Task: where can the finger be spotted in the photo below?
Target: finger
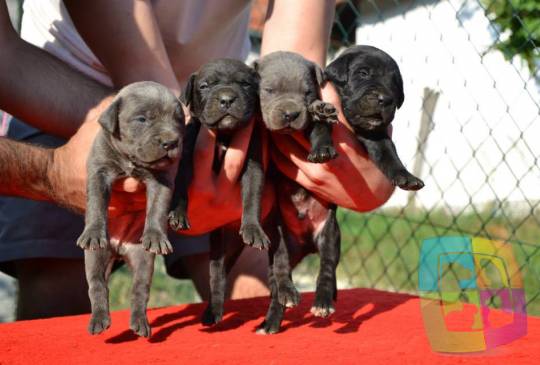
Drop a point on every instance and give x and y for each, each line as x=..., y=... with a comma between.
x=129, y=185
x=235, y=157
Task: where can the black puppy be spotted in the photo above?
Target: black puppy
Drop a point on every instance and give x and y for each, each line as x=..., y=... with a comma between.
x=289, y=101
x=141, y=137
x=370, y=86
x=222, y=95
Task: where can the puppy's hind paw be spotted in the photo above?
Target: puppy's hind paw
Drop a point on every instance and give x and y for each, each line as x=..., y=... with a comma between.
x=178, y=222
x=253, y=235
x=139, y=325
x=99, y=322
x=288, y=296
x=322, y=154
x=211, y=317
x=92, y=238
x=268, y=328
x=323, y=112
x=156, y=242
x=323, y=306
x=407, y=181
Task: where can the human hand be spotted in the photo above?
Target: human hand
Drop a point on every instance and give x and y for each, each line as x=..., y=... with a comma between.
x=351, y=180
x=215, y=199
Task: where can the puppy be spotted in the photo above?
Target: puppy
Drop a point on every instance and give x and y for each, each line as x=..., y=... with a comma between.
x=370, y=86
x=289, y=93
x=289, y=101
x=222, y=96
x=141, y=137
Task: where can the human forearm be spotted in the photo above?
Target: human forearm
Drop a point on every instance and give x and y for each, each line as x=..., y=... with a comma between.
x=136, y=52
x=301, y=26
x=40, y=89
x=23, y=170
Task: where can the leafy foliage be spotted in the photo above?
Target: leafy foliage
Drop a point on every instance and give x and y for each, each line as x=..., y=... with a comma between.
x=520, y=20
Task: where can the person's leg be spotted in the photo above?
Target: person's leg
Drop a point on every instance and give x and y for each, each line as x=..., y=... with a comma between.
x=51, y=287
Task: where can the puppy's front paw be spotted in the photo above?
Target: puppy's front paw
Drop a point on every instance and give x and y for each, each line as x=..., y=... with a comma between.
x=139, y=324
x=407, y=181
x=254, y=235
x=322, y=154
x=323, y=306
x=323, y=112
x=178, y=221
x=211, y=316
x=156, y=242
x=93, y=238
x=99, y=322
x=288, y=296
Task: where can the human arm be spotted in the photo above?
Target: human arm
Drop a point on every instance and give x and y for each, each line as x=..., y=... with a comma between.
x=42, y=90
x=137, y=52
x=351, y=180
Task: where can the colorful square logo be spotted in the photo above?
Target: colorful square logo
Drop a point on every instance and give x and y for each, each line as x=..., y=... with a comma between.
x=471, y=294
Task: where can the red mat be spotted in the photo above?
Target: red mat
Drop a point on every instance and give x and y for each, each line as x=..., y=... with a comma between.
x=369, y=327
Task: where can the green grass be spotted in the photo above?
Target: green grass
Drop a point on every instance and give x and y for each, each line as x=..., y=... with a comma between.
x=381, y=250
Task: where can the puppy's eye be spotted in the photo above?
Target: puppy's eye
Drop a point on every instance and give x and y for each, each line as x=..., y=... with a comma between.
x=203, y=85
x=140, y=119
x=268, y=90
x=363, y=73
x=245, y=84
x=307, y=93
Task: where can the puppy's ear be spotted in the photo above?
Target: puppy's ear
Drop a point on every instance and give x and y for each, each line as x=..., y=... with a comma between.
x=109, y=118
x=398, y=84
x=187, y=96
x=338, y=70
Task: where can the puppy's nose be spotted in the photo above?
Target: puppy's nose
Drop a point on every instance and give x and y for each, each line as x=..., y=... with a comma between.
x=290, y=115
x=226, y=100
x=384, y=100
x=169, y=145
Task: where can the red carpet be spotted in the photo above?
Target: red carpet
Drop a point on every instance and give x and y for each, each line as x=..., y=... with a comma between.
x=369, y=327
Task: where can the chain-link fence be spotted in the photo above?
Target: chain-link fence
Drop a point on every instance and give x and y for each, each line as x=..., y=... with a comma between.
x=471, y=111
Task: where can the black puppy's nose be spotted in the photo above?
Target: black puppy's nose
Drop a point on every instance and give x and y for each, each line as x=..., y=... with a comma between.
x=290, y=115
x=169, y=145
x=385, y=100
x=226, y=100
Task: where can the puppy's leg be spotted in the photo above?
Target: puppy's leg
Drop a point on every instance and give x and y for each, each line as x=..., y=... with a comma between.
x=323, y=116
x=98, y=264
x=252, y=186
x=218, y=279
x=99, y=184
x=283, y=294
x=178, y=219
x=383, y=153
x=141, y=263
x=329, y=244
x=158, y=199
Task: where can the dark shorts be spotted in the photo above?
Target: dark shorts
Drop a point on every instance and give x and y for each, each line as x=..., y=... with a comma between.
x=31, y=229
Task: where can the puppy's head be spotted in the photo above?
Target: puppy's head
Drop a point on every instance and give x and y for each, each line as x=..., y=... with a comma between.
x=288, y=85
x=370, y=86
x=222, y=94
x=146, y=124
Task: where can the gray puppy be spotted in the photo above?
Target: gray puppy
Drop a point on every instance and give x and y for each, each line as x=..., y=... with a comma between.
x=289, y=101
x=289, y=94
x=141, y=137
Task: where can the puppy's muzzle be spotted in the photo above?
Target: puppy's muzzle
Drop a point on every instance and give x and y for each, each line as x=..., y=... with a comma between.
x=287, y=116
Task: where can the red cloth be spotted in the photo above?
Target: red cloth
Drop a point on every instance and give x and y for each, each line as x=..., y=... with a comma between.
x=369, y=327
